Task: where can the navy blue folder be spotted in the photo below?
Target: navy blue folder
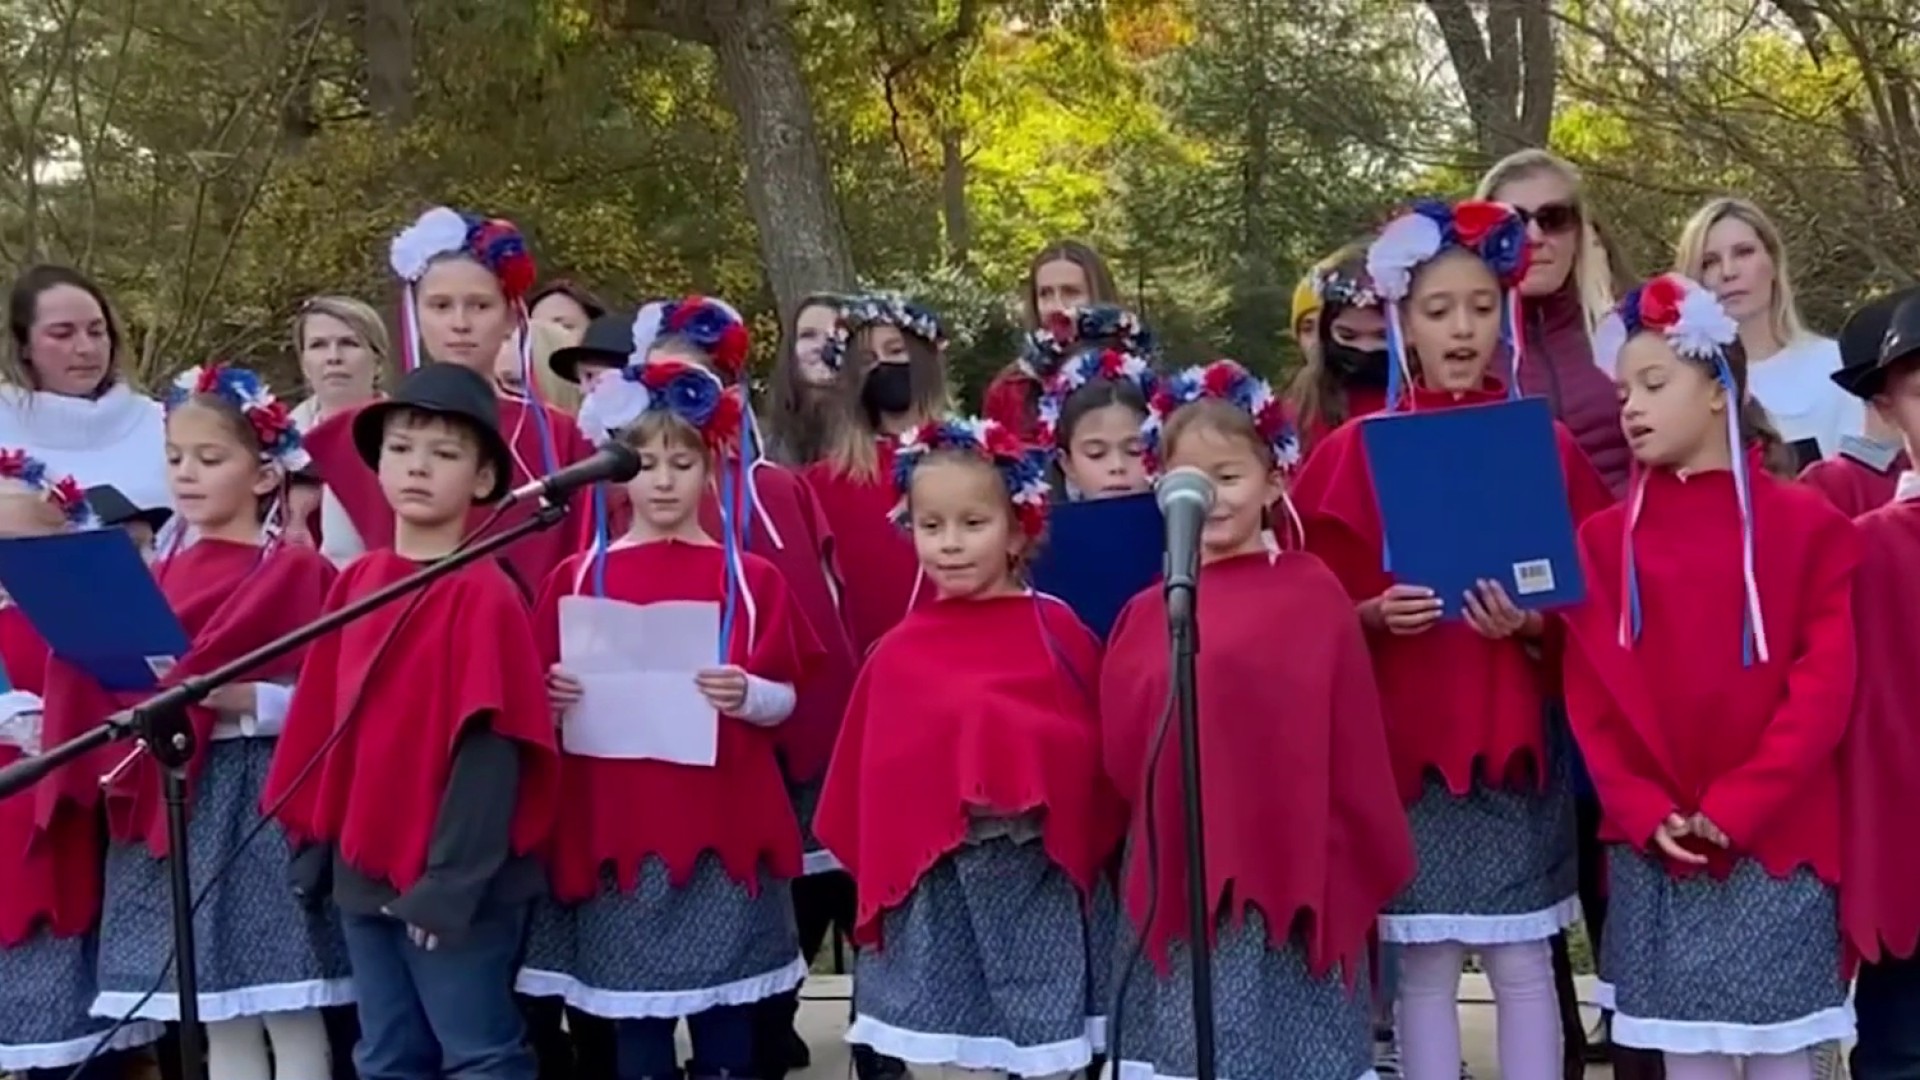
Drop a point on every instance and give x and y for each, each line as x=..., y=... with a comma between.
x=1476, y=492
x=94, y=600
x=1098, y=554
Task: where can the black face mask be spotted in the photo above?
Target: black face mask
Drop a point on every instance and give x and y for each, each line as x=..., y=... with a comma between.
x=888, y=389
x=1355, y=367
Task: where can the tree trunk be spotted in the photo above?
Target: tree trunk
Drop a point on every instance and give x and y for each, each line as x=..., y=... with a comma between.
x=953, y=198
x=297, y=123
x=1506, y=73
x=387, y=42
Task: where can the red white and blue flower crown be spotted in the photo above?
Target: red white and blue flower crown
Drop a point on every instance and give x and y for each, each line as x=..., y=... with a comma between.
x=1110, y=363
x=1063, y=333
x=1338, y=288
x=494, y=243
x=712, y=325
x=267, y=415
x=1022, y=468
x=694, y=394
x=892, y=309
x=61, y=490
x=1685, y=313
x=1229, y=382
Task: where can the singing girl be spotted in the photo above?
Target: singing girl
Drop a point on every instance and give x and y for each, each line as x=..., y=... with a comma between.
x=1709, y=677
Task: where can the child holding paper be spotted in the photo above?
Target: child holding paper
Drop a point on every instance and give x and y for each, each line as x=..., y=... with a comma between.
x=1093, y=407
x=1880, y=769
x=267, y=965
x=1483, y=772
x=1863, y=474
x=1709, y=677
x=893, y=378
x=52, y=895
x=683, y=904
x=427, y=732
x=966, y=796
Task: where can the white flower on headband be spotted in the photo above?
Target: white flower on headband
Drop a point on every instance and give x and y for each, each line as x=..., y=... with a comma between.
x=646, y=330
x=1703, y=327
x=1405, y=243
x=439, y=231
x=611, y=403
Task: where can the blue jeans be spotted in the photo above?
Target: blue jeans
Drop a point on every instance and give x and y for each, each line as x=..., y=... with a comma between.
x=722, y=1045
x=442, y=1013
x=1886, y=1002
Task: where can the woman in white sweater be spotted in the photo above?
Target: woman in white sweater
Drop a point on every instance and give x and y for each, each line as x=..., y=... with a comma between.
x=64, y=395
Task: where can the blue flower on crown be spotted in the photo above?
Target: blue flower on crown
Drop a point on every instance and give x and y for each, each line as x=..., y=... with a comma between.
x=892, y=309
x=1022, y=468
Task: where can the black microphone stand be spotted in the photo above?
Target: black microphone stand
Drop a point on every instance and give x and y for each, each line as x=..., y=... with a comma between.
x=1183, y=628
x=161, y=726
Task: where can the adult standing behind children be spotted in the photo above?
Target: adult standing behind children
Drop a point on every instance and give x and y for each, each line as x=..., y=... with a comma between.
x=1064, y=275
x=344, y=352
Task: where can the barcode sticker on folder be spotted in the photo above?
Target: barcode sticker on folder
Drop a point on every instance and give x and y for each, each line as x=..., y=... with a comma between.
x=1533, y=576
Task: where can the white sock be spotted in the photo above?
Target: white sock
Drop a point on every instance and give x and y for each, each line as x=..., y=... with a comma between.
x=237, y=1050
x=300, y=1050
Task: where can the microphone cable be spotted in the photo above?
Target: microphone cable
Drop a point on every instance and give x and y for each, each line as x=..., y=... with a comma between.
x=267, y=814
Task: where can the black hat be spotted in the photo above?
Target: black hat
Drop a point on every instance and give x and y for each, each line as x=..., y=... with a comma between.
x=114, y=508
x=1861, y=340
x=1865, y=376
x=608, y=340
x=447, y=390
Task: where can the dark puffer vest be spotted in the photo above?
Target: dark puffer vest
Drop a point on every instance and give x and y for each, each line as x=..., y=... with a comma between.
x=1558, y=365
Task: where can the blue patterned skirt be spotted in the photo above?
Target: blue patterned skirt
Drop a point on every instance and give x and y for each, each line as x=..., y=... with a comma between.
x=1272, y=1016
x=46, y=990
x=666, y=951
x=1748, y=965
x=985, y=965
x=259, y=949
x=806, y=801
x=1493, y=866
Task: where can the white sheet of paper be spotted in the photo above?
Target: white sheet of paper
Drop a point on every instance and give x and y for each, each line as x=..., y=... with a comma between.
x=636, y=665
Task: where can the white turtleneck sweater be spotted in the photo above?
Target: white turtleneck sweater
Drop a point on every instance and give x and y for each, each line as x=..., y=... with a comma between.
x=119, y=438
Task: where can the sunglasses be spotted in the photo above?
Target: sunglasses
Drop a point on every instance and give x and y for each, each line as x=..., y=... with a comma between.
x=1553, y=218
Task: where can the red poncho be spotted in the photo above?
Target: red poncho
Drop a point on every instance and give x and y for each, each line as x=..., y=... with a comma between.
x=1854, y=486
x=52, y=878
x=878, y=567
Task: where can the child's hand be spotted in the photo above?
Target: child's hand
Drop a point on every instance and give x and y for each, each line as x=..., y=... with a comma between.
x=725, y=688
x=1668, y=836
x=563, y=689
x=419, y=937
x=1408, y=609
x=1706, y=830
x=1490, y=611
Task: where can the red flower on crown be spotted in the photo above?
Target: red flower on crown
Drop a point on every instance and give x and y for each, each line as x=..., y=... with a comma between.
x=1660, y=301
x=1474, y=219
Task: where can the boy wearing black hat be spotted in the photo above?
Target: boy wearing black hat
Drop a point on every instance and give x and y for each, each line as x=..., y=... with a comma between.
x=429, y=737
x=1861, y=476
x=607, y=345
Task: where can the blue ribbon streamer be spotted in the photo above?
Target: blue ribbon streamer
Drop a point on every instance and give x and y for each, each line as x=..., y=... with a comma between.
x=728, y=556
x=600, y=539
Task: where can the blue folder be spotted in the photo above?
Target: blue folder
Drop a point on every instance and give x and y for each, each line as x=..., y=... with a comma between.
x=1098, y=554
x=94, y=600
x=1476, y=492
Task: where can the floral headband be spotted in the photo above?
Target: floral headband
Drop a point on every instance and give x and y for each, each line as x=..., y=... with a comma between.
x=1699, y=329
x=1493, y=231
x=712, y=325
x=1061, y=333
x=1229, y=382
x=62, y=491
x=1022, y=468
x=494, y=243
x=1335, y=287
x=691, y=392
x=269, y=418
x=1112, y=363
x=892, y=309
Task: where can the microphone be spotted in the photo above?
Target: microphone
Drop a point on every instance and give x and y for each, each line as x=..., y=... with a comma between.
x=1185, y=496
x=612, y=462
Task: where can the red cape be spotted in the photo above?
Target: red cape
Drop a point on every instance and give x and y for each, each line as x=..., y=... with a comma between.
x=1012, y=399
x=985, y=704
x=806, y=558
x=357, y=486
x=1302, y=819
x=55, y=883
x=880, y=571
x=1880, y=763
x=616, y=812
x=1854, y=486
x=1676, y=723
x=1361, y=401
x=231, y=598
x=1455, y=702
x=404, y=682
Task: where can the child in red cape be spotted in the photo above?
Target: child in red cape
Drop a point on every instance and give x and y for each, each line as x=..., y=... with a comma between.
x=267, y=965
x=466, y=282
x=1092, y=408
x=1483, y=767
x=678, y=870
x=966, y=796
x=892, y=379
x=811, y=348
x=1345, y=376
x=419, y=764
x=52, y=895
x=1306, y=842
x=1880, y=767
x=1861, y=476
x=1708, y=677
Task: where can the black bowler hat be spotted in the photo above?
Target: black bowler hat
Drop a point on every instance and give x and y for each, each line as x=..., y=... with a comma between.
x=608, y=340
x=114, y=508
x=446, y=390
x=1901, y=341
x=1862, y=340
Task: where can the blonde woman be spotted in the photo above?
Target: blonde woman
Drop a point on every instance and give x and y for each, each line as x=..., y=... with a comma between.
x=1731, y=247
x=344, y=350
x=548, y=338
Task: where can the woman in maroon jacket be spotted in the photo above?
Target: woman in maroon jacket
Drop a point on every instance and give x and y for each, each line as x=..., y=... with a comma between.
x=1567, y=299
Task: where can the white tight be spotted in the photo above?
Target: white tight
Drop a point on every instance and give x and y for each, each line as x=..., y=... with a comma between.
x=1795, y=1066
x=954, y=1072
x=1526, y=1012
x=237, y=1049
